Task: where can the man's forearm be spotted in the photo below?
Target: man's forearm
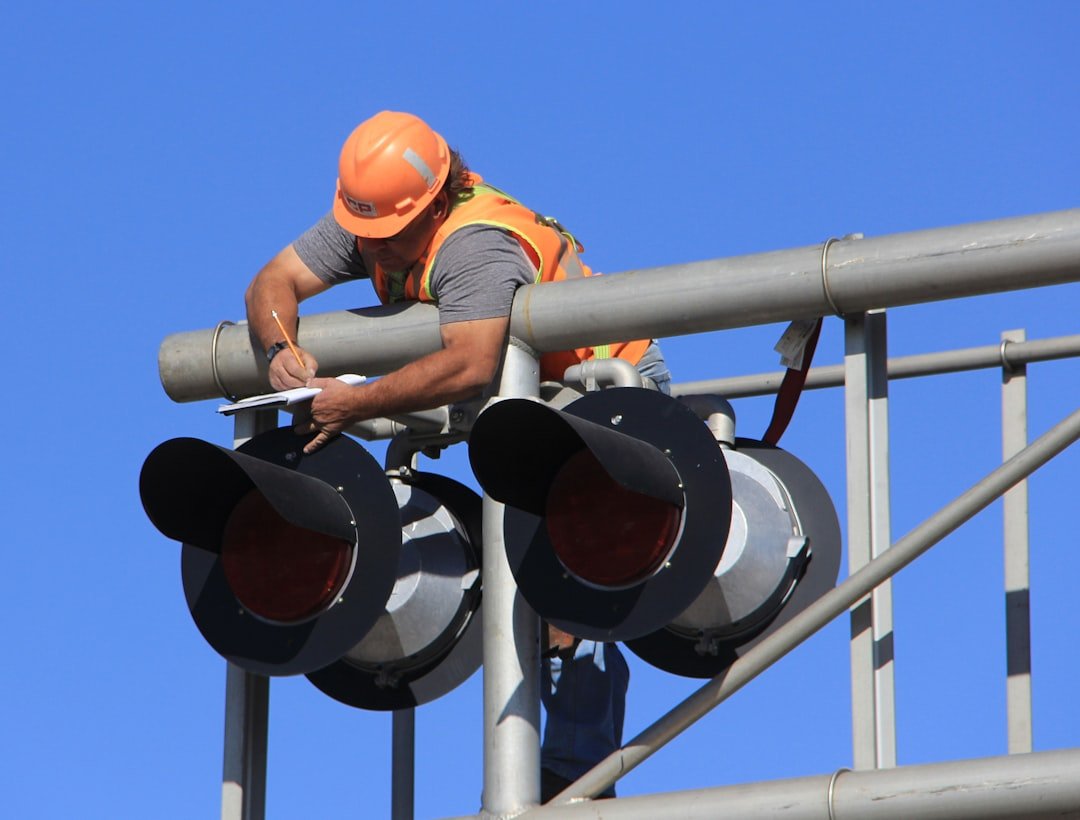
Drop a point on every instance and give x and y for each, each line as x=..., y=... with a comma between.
x=280, y=286
x=264, y=297
x=464, y=366
x=431, y=381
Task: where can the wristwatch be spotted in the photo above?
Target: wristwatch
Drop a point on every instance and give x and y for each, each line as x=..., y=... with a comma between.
x=274, y=349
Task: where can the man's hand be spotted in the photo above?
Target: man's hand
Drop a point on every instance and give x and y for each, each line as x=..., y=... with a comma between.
x=560, y=643
x=332, y=410
x=286, y=373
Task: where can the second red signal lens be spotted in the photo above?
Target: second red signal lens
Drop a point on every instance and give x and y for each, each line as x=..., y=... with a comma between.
x=603, y=533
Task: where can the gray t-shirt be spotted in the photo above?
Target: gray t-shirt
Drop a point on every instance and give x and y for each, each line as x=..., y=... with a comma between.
x=478, y=269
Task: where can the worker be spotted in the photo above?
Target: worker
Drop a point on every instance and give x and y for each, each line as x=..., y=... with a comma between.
x=410, y=216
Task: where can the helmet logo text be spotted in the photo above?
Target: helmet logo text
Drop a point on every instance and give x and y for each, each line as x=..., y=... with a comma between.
x=360, y=207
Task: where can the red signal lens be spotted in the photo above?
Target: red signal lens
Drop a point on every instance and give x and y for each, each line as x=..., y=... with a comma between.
x=277, y=570
x=602, y=532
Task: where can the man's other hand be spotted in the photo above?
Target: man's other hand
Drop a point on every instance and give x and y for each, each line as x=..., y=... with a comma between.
x=332, y=410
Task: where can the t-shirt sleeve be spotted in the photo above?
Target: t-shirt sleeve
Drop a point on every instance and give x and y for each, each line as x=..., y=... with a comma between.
x=330, y=251
x=477, y=272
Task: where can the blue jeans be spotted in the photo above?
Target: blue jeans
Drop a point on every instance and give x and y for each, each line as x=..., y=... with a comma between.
x=585, y=700
x=652, y=366
x=585, y=695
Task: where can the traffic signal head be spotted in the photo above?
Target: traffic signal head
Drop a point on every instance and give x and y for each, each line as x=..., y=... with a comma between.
x=428, y=639
x=288, y=558
x=618, y=506
x=318, y=564
x=782, y=554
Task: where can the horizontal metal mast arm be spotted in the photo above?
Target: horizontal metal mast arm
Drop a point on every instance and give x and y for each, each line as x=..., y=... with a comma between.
x=898, y=269
x=369, y=341
x=1010, y=354
x=1037, y=786
x=887, y=271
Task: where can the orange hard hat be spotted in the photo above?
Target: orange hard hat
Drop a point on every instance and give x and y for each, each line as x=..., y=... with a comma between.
x=390, y=169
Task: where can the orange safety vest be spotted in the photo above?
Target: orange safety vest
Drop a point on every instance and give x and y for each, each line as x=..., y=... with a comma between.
x=552, y=251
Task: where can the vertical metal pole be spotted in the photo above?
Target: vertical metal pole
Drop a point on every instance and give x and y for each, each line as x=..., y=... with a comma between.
x=247, y=700
x=403, y=762
x=1014, y=434
x=873, y=699
x=247, y=705
x=511, y=648
x=401, y=453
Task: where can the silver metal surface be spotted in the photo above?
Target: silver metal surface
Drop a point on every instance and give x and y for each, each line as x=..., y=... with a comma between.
x=873, y=697
x=1040, y=786
x=433, y=576
x=597, y=373
x=717, y=413
x=755, y=563
x=904, y=367
x=511, y=648
x=1014, y=433
x=899, y=269
x=247, y=704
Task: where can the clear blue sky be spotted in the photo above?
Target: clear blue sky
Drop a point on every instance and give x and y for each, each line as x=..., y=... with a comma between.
x=153, y=156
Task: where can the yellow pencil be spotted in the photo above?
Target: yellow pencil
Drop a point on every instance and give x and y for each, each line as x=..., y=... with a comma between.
x=288, y=341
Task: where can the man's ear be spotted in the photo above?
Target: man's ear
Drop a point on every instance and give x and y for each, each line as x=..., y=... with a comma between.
x=440, y=206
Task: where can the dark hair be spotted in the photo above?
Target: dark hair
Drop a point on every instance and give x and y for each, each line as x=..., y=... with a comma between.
x=458, y=181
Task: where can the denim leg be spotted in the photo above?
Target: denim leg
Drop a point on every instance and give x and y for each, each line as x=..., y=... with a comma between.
x=652, y=366
x=585, y=700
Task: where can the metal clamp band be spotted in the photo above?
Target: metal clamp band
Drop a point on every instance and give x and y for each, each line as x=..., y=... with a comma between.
x=825, y=275
x=832, y=791
x=213, y=360
x=1006, y=365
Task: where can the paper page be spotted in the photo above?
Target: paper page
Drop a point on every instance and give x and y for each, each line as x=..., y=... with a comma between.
x=284, y=398
x=792, y=344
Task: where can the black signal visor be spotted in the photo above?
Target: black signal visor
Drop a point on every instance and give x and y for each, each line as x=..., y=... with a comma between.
x=517, y=447
x=190, y=487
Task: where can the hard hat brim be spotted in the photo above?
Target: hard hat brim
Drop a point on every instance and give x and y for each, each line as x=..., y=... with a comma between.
x=376, y=227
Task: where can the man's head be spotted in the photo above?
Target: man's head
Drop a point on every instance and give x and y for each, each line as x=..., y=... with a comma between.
x=390, y=169
x=393, y=189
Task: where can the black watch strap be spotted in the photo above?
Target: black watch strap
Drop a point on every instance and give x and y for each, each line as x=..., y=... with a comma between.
x=274, y=349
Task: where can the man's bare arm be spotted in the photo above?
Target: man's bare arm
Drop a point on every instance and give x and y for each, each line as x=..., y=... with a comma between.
x=280, y=286
x=464, y=366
